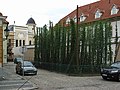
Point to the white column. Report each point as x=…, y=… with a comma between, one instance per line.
x=4, y=45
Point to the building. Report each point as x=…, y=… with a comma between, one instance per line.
x=20, y=36
x=3, y=39
x=100, y=10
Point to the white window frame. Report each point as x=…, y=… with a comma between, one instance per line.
x=98, y=14
x=82, y=18
x=68, y=20
x=114, y=10
x=75, y=19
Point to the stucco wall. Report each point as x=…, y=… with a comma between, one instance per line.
x=1, y=46
x=21, y=33
x=29, y=54
x=114, y=25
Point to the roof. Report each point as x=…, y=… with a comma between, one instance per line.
x=1, y=14
x=104, y=6
x=31, y=21
x=11, y=27
x=4, y=18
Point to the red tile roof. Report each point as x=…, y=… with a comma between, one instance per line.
x=104, y=6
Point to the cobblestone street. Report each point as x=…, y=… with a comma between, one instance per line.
x=9, y=80
x=46, y=80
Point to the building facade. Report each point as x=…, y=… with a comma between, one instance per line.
x=3, y=39
x=100, y=10
x=20, y=36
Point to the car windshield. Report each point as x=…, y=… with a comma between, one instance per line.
x=116, y=65
x=28, y=64
x=19, y=59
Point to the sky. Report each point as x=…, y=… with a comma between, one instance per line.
x=40, y=10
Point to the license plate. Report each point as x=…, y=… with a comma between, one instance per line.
x=104, y=74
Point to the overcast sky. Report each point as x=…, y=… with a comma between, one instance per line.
x=40, y=10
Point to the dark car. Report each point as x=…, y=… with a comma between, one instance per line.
x=27, y=67
x=111, y=72
x=18, y=59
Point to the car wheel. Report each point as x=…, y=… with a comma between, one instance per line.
x=21, y=72
x=118, y=79
x=35, y=73
x=105, y=78
x=16, y=72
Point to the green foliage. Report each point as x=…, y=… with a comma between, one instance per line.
x=58, y=46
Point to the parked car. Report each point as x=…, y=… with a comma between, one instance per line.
x=18, y=59
x=27, y=67
x=111, y=72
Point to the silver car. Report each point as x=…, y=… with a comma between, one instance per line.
x=26, y=67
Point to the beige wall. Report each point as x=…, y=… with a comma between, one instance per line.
x=118, y=53
x=1, y=46
x=11, y=36
x=29, y=54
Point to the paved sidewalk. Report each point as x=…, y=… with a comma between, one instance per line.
x=7, y=71
x=9, y=80
x=3, y=74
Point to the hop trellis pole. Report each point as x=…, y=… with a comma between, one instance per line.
x=76, y=48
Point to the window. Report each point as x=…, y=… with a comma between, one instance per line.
x=82, y=18
x=114, y=10
x=98, y=14
x=23, y=42
x=16, y=43
x=68, y=20
x=30, y=42
x=20, y=43
x=75, y=19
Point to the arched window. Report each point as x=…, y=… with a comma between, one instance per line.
x=23, y=42
x=114, y=10
x=16, y=43
x=20, y=43
x=30, y=42
x=98, y=14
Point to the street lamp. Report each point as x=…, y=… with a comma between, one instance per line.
x=6, y=34
x=6, y=31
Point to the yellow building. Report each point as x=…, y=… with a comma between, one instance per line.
x=3, y=39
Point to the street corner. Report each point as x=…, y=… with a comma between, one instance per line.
x=2, y=78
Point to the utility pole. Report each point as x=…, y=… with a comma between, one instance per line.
x=116, y=42
x=77, y=47
x=23, y=60
x=24, y=49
